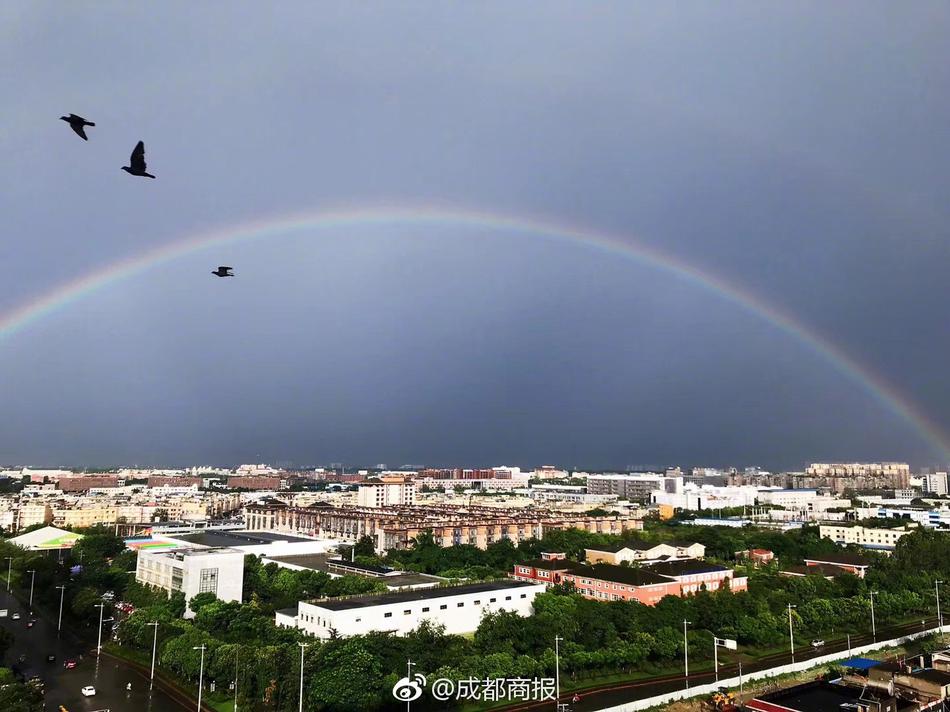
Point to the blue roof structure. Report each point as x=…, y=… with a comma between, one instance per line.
x=860, y=663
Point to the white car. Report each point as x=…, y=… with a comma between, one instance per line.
x=817, y=643
x=16, y=616
x=88, y=691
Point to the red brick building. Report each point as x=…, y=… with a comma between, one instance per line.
x=648, y=584
x=254, y=482
x=87, y=482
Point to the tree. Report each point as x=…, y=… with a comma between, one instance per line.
x=348, y=677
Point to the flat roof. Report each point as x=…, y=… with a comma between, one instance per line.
x=812, y=697
x=343, y=604
x=317, y=562
x=236, y=538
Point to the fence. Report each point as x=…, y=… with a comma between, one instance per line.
x=709, y=688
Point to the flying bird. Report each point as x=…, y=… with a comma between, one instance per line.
x=136, y=165
x=77, y=124
x=223, y=271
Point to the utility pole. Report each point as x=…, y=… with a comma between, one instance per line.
x=201, y=672
x=791, y=632
x=32, y=581
x=939, y=614
x=237, y=655
x=9, y=571
x=151, y=677
x=101, y=607
x=302, y=647
x=59, y=622
x=685, y=654
x=873, y=623
x=557, y=671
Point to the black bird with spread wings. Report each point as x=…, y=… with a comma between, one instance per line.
x=136, y=165
x=77, y=124
x=223, y=271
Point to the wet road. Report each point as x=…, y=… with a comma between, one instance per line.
x=62, y=686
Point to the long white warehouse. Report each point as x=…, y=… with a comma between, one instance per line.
x=458, y=608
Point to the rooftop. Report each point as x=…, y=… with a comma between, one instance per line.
x=811, y=697
x=236, y=538
x=840, y=558
x=343, y=604
x=685, y=567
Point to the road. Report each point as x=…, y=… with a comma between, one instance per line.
x=619, y=693
x=108, y=675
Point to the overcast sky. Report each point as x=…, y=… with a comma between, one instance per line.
x=799, y=150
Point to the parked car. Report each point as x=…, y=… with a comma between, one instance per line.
x=15, y=616
x=30, y=624
x=817, y=643
x=88, y=691
x=69, y=664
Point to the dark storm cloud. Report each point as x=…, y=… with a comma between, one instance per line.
x=801, y=151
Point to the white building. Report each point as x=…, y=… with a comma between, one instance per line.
x=390, y=491
x=458, y=608
x=805, y=500
x=215, y=570
x=935, y=483
x=869, y=538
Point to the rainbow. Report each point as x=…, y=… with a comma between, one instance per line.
x=884, y=393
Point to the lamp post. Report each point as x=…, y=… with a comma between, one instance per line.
x=101, y=607
x=32, y=573
x=9, y=571
x=201, y=672
x=59, y=622
x=151, y=677
x=557, y=671
x=872, y=594
x=303, y=646
x=237, y=654
x=939, y=614
x=685, y=654
x=791, y=632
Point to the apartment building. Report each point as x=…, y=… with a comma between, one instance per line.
x=389, y=491
x=867, y=537
x=397, y=527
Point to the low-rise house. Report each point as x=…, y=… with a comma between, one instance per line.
x=643, y=551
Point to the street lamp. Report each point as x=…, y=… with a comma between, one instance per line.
x=101, y=607
x=32, y=581
x=557, y=671
x=151, y=677
x=59, y=622
x=791, y=632
x=237, y=655
x=302, y=647
x=872, y=594
x=686, y=653
x=201, y=672
x=9, y=571
x=939, y=614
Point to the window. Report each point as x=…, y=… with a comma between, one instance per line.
x=478, y=603
x=492, y=600
x=524, y=595
x=507, y=598
x=407, y=612
x=425, y=610
x=388, y=615
x=208, y=581
x=460, y=604
x=443, y=606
